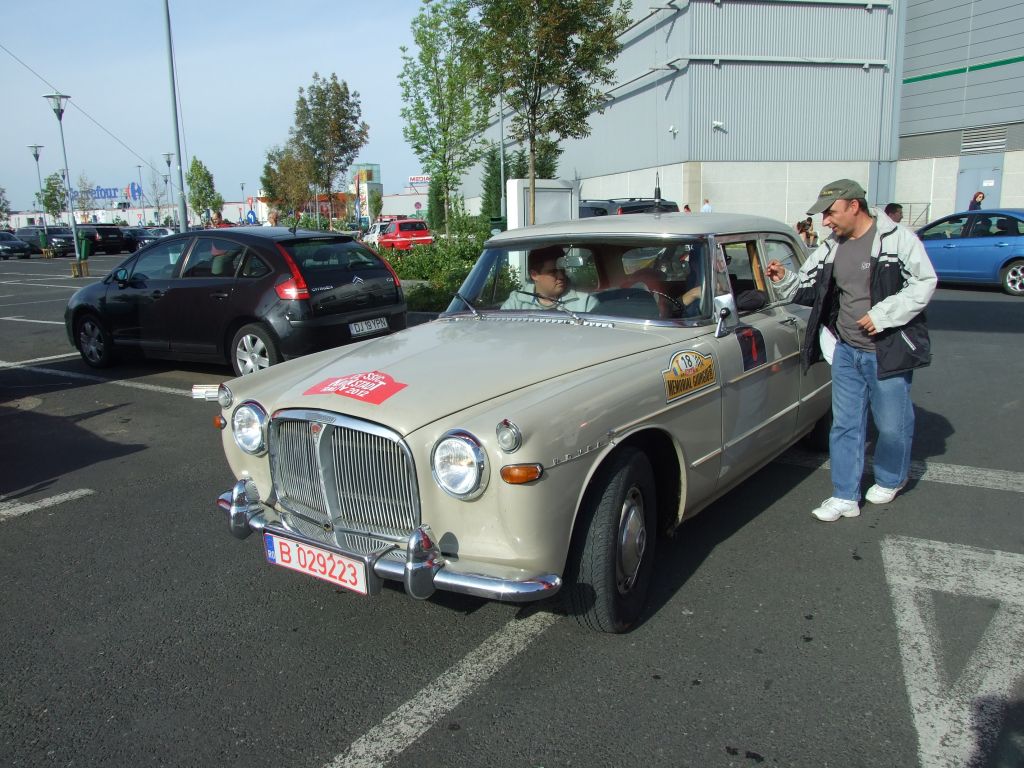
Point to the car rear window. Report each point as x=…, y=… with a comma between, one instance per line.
x=319, y=258
x=412, y=226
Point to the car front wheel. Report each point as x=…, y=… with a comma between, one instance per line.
x=613, y=546
x=94, y=341
x=253, y=349
x=1012, y=278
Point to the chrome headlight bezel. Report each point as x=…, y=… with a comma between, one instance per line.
x=257, y=443
x=474, y=463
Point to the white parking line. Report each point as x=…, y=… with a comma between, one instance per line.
x=26, y=303
x=932, y=471
x=41, y=285
x=98, y=379
x=414, y=718
x=956, y=716
x=12, y=509
x=17, y=319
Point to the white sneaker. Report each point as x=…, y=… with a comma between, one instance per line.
x=878, y=494
x=832, y=509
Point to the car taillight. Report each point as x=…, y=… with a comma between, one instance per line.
x=294, y=287
x=619, y=211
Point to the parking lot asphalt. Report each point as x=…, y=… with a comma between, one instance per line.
x=138, y=632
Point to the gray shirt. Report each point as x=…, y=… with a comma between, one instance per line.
x=851, y=270
x=572, y=300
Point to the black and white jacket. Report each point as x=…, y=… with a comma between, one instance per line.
x=902, y=282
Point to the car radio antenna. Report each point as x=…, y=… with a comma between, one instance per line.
x=657, y=192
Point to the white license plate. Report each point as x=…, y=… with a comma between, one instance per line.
x=337, y=569
x=364, y=327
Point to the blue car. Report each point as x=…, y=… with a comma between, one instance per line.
x=984, y=247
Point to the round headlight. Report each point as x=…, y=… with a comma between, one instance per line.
x=248, y=425
x=459, y=465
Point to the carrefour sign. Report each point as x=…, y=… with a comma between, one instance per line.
x=133, y=191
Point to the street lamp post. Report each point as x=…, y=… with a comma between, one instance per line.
x=142, y=198
x=167, y=158
x=57, y=102
x=167, y=182
x=242, y=185
x=35, y=153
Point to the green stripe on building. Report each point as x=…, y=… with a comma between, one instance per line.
x=964, y=70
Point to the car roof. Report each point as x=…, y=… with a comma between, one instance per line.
x=276, y=234
x=647, y=224
x=986, y=211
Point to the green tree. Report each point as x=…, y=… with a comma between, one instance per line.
x=375, y=200
x=436, y=218
x=53, y=198
x=286, y=178
x=5, y=207
x=328, y=131
x=445, y=108
x=490, y=195
x=84, y=201
x=548, y=58
x=202, y=194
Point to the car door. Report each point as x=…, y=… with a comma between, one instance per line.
x=201, y=299
x=759, y=358
x=944, y=240
x=815, y=385
x=993, y=237
x=135, y=307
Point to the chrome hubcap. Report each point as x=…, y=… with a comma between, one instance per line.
x=90, y=341
x=632, y=540
x=1015, y=279
x=251, y=355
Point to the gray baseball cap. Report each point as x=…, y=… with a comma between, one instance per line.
x=842, y=189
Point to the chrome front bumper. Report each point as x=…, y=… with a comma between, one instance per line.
x=423, y=570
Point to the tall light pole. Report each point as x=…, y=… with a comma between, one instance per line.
x=57, y=102
x=142, y=197
x=182, y=213
x=242, y=185
x=35, y=153
x=167, y=158
x=167, y=182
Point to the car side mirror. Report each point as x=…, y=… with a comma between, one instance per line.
x=725, y=308
x=121, y=277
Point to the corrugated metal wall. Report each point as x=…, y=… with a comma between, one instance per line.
x=964, y=62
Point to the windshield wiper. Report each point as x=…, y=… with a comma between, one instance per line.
x=469, y=305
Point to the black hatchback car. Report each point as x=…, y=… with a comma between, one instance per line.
x=58, y=239
x=138, y=237
x=12, y=246
x=252, y=296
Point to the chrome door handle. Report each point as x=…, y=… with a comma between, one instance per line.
x=218, y=295
x=788, y=321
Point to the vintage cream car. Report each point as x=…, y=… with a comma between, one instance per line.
x=517, y=453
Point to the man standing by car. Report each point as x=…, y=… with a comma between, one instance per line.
x=868, y=284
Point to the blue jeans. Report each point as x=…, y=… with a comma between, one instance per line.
x=855, y=387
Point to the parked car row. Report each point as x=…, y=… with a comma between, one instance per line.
x=103, y=238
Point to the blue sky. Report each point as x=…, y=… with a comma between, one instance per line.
x=239, y=68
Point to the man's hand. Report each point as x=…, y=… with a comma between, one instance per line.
x=868, y=326
x=775, y=270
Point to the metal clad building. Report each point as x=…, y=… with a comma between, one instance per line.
x=755, y=104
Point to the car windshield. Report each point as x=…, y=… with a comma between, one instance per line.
x=643, y=279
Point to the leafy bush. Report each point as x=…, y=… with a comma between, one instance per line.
x=444, y=265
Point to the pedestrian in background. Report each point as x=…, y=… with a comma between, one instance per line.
x=706, y=208
x=975, y=204
x=271, y=219
x=686, y=209
x=868, y=285
x=812, y=234
x=895, y=212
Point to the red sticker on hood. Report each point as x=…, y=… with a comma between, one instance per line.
x=371, y=387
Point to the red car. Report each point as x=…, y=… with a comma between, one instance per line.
x=403, y=234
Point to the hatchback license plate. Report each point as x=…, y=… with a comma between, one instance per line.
x=313, y=561
x=364, y=327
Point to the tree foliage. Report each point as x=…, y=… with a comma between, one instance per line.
x=202, y=194
x=84, y=201
x=286, y=178
x=375, y=201
x=5, y=207
x=328, y=131
x=548, y=58
x=445, y=109
x=53, y=198
x=517, y=166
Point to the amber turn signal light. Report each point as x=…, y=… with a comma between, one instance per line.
x=517, y=474
x=219, y=422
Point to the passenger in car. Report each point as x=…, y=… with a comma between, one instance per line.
x=551, y=285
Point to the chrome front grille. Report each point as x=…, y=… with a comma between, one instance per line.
x=338, y=475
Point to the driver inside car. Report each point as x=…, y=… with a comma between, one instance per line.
x=551, y=285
